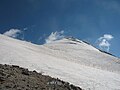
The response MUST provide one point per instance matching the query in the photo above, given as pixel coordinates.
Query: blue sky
(84, 19)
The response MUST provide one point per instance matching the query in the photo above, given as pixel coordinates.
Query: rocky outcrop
(17, 78)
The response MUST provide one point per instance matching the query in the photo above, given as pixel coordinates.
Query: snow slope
(68, 59)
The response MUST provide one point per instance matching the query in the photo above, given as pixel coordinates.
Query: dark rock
(2, 78)
(17, 78)
(25, 72)
(15, 66)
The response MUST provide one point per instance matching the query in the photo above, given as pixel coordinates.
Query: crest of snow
(77, 63)
(12, 33)
(103, 42)
(54, 36)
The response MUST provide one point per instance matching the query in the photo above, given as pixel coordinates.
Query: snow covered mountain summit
(69, 59)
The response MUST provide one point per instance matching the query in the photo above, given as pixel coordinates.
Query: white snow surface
(73, 61)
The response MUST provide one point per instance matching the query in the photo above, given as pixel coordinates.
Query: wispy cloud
(54, 36)
(25, 29)
(13, 33)
(103, 42)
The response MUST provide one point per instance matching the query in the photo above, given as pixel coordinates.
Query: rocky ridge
(17, 78)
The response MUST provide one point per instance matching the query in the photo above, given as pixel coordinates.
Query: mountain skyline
(89, 20)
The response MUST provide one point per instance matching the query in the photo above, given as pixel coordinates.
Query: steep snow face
(79, 52)
(68, 59)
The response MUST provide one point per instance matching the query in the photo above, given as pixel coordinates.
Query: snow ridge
(73, 61)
